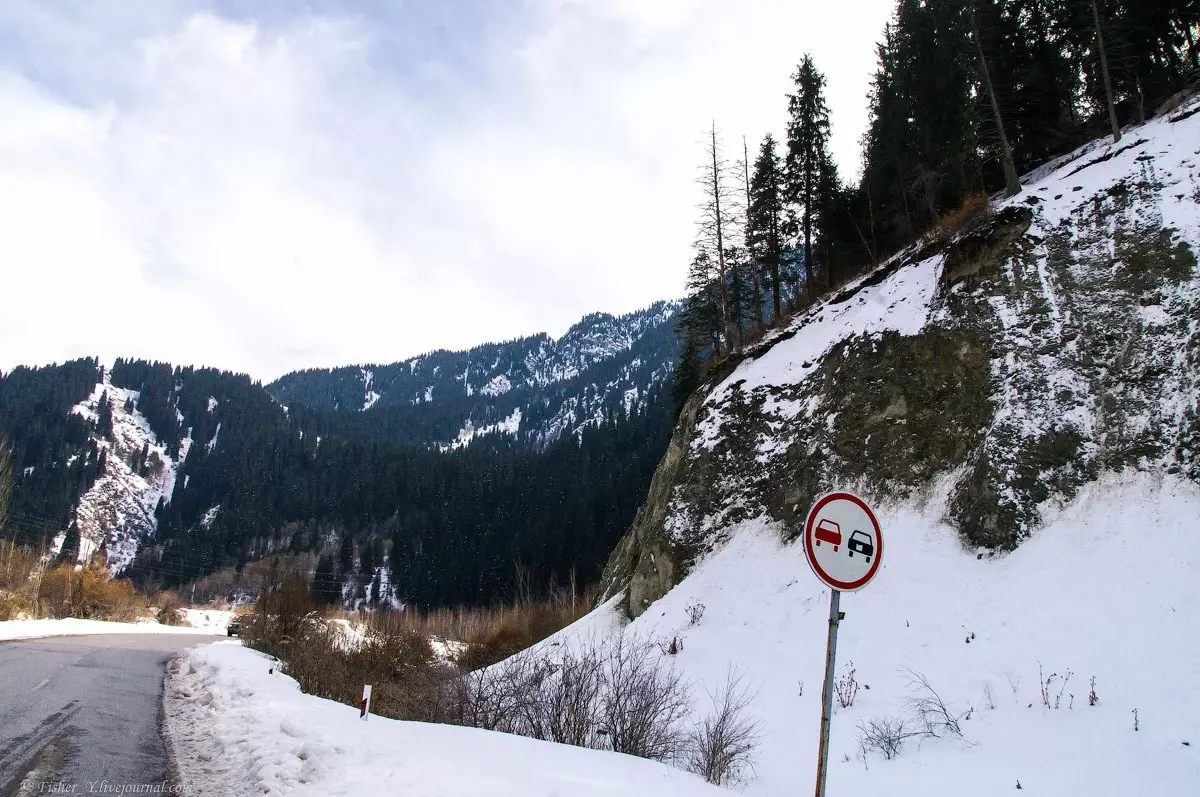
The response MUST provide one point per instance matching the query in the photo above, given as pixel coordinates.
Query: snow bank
(215, 619)
(1107, 588)
(236, 729)
(72, 626)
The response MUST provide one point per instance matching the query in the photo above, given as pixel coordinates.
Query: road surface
(80, 715)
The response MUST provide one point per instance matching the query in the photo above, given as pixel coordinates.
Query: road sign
(844, 547)
(843, 541)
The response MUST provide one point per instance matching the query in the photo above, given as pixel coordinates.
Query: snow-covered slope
(118, 509)
(1020, 404)
(1107, 588)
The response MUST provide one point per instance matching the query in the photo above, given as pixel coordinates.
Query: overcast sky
(243, 185)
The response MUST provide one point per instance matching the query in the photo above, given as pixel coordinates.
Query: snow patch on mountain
(370, 397)
(497, 386)
(510, 426)
(118, 509)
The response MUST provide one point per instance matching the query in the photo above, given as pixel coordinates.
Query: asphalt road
(81, 715)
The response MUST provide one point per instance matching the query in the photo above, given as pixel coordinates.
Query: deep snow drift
(237, 729)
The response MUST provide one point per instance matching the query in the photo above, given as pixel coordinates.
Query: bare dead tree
(714, 220)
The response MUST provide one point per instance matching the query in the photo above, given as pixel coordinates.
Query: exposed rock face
(1056, 339)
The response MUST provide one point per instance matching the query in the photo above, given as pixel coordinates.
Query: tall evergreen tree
(765, 218)
(808, 182)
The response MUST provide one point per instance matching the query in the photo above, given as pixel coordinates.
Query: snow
(236, 728)
(497, 386)
(370, 397)
(216, 436)
(510, 425)
(216, 620)
(901, 303)
(210, 516)
(212, 404)
(73, 626)
(1106, 588)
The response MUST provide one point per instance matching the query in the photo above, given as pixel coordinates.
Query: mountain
(175, 473)
(533, 389)
(1020, 403)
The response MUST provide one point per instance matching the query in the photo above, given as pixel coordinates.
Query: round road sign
(843, 541)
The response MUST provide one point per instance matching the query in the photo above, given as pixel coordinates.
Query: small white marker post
(365, 707)
(844, 548)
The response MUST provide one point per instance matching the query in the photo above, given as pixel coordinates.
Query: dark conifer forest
(965, 96)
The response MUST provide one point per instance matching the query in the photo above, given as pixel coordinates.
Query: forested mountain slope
(534, 389)
(177, 472)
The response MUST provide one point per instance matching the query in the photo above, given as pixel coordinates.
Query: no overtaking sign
(843, 541)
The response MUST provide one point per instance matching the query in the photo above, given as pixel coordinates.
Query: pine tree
(765, 218)
(104, 420)
(808, 158)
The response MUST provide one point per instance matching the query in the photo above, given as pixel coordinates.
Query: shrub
(643, 704)
(720, 748)
(928, 708)
(885, 735)
(846, 687)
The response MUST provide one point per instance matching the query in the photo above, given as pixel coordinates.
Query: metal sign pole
(835, 615)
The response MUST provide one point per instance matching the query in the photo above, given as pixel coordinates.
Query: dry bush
(643, 704)
(928, 708)
(169, 608)
(846, 687)
(90, 592)
(18, 581)
(885, 735)
(974, 209)
(721, 746)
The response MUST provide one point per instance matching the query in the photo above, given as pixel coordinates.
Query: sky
(268, 186)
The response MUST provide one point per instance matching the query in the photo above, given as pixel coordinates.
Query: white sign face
(843, 541)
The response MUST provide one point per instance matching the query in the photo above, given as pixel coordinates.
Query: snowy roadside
(73, 626)
(236, 728)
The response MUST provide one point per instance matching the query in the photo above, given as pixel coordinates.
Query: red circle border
(844, 586)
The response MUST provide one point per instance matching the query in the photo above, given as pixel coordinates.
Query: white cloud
(269, 196)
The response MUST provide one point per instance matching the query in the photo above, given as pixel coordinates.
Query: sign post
(364, 708)
(844, 547)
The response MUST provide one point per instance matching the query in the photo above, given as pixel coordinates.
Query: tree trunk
(1012, 182)
(1108, 93)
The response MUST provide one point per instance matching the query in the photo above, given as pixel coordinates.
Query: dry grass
(974, 209)
(491, 634)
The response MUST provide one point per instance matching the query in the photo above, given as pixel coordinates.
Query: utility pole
(1108, 92)
(1012, 182)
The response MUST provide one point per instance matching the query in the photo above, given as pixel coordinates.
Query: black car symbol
(860, 542)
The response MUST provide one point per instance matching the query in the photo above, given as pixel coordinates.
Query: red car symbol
(830, 532)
